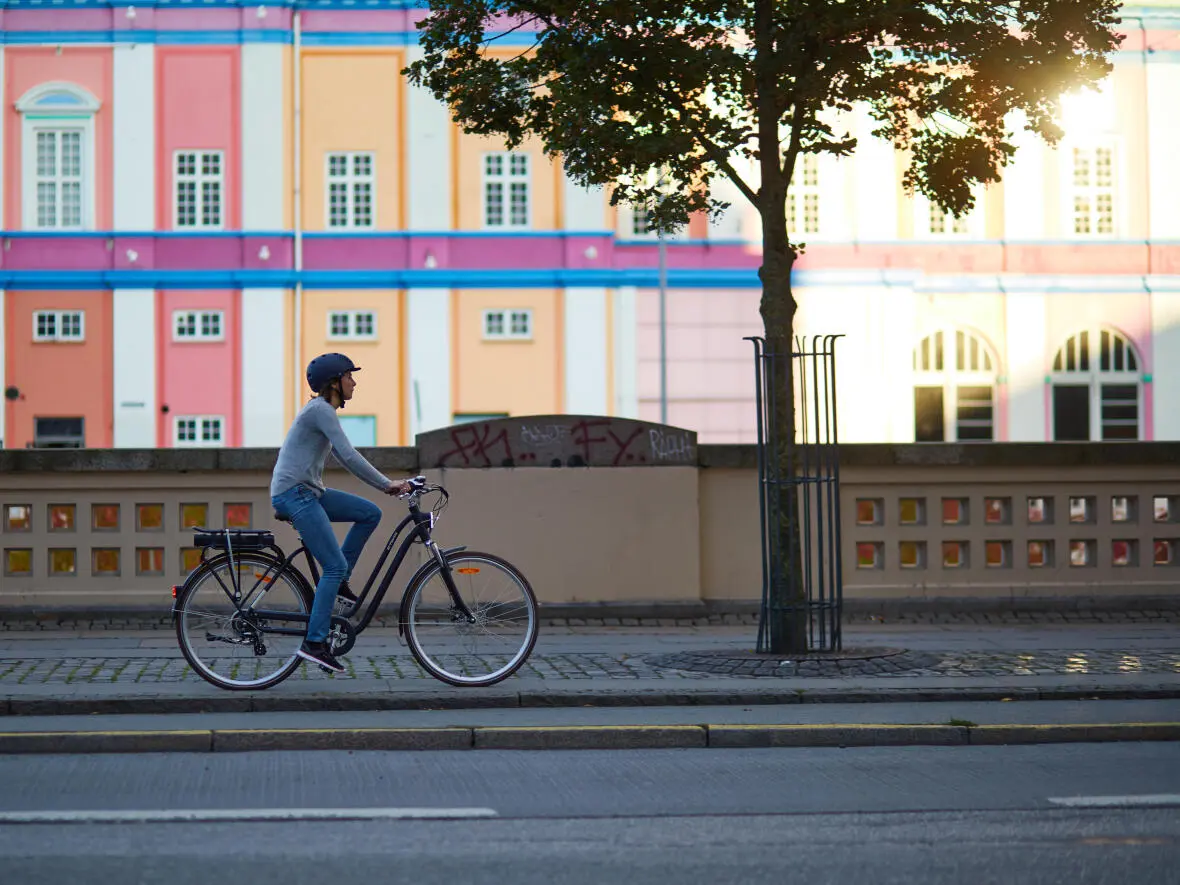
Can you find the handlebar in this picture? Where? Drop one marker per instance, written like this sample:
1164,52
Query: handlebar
419,487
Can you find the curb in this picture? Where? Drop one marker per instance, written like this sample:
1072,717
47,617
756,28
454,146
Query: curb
18,705
592,737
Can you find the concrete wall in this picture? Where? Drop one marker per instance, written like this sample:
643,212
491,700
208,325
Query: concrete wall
687,533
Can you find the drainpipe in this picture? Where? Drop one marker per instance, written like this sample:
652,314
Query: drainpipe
297,201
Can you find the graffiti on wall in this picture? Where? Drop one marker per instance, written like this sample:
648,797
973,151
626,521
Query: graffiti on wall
557,441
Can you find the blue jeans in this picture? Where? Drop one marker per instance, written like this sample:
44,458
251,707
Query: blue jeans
312,517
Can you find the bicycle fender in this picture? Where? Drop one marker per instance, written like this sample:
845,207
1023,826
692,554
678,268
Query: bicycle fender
414,578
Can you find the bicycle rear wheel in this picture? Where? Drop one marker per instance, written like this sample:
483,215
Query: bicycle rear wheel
462,653
235,649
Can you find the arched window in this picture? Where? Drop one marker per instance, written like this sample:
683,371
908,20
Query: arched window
57,157
954,388
1097,387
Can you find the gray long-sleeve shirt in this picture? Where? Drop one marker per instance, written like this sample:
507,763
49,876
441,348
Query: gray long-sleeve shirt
315,432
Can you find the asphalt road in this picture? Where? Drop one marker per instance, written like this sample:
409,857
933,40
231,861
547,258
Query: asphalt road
911,815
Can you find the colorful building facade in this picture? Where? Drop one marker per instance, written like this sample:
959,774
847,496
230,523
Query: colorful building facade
198,197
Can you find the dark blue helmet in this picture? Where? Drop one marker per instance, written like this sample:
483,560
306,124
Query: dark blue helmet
326,368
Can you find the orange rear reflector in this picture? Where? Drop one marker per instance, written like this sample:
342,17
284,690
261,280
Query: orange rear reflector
174,589
265,577
468,570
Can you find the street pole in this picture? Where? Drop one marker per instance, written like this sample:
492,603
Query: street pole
663,328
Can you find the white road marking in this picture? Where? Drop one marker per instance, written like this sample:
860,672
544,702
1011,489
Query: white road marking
1117,801
188,815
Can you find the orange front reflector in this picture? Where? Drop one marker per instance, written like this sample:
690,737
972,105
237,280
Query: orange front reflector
468,570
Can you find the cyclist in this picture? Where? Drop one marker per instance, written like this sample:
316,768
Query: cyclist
298,494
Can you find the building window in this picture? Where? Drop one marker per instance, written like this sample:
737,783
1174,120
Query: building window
954,388
59,433
58,151
351,188
508,325
353,325
931,220
803,197
197,430
505,190
198,325
200,183
59,325
1092,190
1097,391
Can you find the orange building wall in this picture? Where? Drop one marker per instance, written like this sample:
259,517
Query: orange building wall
352,101
28,67
517,377
379,383
59,379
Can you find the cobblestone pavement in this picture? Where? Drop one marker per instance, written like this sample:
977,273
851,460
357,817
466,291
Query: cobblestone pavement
575,666
25,623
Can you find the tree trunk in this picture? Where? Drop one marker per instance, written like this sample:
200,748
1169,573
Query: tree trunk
788,612
788,616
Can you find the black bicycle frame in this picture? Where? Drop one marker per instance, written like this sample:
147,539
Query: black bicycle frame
421,530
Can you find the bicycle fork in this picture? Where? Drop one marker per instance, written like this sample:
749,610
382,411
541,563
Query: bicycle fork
449,580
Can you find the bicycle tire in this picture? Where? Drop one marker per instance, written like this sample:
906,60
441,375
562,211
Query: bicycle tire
462,654
227,655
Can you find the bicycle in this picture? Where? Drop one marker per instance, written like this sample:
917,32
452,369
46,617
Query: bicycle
468,618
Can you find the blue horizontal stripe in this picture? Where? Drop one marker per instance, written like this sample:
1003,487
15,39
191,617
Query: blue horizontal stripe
645,278
374,279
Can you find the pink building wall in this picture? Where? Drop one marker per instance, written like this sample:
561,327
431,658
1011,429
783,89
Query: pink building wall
26,67
198,94
197,377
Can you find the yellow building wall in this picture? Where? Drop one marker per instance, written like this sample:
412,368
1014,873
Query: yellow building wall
545,180
379,383
353,101
516,377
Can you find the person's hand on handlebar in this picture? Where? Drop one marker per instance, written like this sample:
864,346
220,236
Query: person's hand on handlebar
399,488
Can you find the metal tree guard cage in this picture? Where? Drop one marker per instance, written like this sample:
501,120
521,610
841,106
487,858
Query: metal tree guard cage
799,471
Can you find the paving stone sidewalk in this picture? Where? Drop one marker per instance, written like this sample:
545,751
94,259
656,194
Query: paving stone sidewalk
617,656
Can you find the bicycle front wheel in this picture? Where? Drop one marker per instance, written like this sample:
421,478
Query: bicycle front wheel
237,646
460,652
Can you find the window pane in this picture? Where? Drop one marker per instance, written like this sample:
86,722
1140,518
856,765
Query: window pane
63,561
519,165
18,518
62,517
105,561
520,204
493,164
211,203
1071,412
71,204
338,324
149,517
362,165
186,164
237,516
364,324
18,561
46,154
104,517
193,515
338,205
71,154
494,199
337,165
46,204
149,560
362,205
928,419
520,323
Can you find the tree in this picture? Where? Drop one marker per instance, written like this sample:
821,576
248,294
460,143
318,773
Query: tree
697,88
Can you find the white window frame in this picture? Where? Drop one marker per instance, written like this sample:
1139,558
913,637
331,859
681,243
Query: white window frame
199,334
351,180
352,321
200,422
508,316
199,178
951,379
506,178
1095,378
1071,191
58,324
805,188
57,106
